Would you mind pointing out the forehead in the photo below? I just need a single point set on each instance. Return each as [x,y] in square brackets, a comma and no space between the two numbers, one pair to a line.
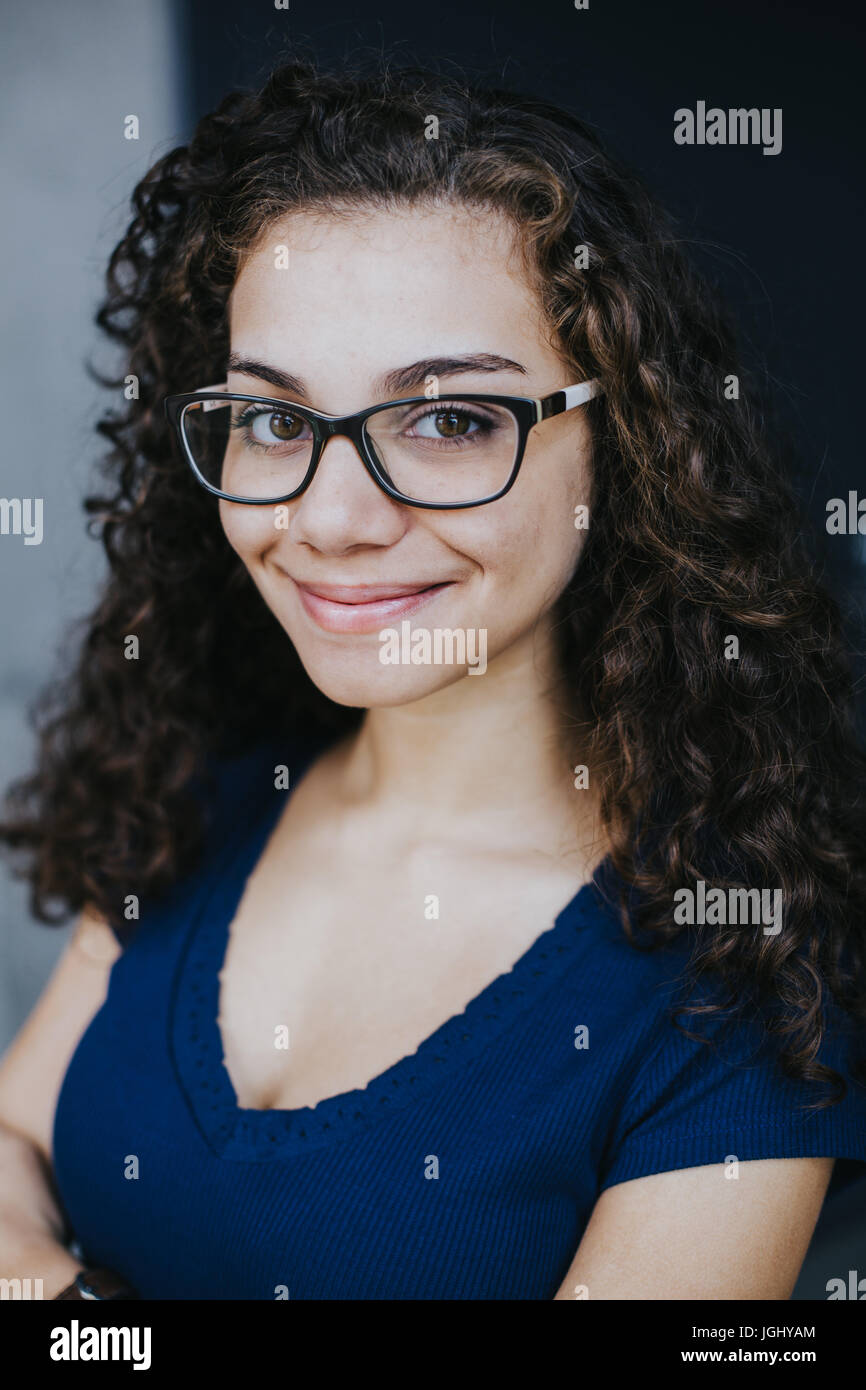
[407,272]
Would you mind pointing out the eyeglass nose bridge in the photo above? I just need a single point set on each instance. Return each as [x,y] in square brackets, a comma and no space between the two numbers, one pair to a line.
[351,427]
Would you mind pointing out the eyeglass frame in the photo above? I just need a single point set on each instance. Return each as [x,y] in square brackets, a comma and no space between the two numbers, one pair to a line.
[528,411]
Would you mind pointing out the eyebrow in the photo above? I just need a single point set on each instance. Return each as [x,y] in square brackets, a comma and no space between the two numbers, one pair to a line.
[391,383]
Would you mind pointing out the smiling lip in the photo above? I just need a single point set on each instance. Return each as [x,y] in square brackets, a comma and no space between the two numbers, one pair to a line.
[363,607]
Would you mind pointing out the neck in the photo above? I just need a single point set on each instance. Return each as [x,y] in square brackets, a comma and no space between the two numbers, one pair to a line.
[488,758]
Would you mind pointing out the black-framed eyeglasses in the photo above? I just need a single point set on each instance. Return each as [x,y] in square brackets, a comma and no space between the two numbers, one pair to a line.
[441,452]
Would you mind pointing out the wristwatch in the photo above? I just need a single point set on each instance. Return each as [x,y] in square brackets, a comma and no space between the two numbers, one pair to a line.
[100,1284]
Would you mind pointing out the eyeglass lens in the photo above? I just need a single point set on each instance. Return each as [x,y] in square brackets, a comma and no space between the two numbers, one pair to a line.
[430,451]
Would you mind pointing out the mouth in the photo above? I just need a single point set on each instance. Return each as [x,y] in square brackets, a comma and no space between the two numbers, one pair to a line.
[364,607]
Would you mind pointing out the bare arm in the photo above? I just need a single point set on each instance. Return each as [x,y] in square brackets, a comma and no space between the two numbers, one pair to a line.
[696,1233]
[31,1073]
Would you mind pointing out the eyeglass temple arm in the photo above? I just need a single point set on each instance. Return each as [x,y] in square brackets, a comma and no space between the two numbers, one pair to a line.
[568,398]
[202,390]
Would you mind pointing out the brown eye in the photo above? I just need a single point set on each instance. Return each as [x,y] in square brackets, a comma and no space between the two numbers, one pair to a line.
[452,422]
[285,427]
[260,428]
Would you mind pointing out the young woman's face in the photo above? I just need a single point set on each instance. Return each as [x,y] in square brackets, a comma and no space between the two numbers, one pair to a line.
[361,297]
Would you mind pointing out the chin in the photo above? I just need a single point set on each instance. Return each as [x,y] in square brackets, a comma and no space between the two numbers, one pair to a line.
[359,681]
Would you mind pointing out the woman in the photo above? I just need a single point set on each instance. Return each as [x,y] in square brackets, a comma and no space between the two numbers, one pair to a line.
[417,751]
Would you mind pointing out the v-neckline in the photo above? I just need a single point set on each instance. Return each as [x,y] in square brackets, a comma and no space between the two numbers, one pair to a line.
[237,1132]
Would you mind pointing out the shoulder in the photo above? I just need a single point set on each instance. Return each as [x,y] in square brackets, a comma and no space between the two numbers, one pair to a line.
[712,1088]
[688,1088]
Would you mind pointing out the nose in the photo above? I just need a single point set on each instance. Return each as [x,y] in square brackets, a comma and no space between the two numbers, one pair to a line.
[343,506]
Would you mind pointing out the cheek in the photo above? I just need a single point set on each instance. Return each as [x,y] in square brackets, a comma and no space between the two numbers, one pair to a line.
[557,514]
[537,544]
[536,561]
[249,531]
[524,563]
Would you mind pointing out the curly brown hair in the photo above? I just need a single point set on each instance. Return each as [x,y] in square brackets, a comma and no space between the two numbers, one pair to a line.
[743,771]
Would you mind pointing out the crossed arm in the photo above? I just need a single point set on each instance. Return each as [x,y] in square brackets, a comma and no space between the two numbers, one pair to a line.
[697,1233]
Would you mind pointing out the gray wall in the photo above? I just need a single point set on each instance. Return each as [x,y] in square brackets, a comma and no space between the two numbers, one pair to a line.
[68,77]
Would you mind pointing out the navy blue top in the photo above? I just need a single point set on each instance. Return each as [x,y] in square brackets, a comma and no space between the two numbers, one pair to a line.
[467,1170]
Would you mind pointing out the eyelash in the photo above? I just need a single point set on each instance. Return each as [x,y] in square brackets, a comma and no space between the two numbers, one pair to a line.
[252,413]
[461,407]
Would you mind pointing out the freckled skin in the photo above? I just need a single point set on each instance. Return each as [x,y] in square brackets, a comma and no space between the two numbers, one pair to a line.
[361,296]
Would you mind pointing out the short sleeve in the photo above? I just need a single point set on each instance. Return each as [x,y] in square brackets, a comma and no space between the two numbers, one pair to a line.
[696,1102]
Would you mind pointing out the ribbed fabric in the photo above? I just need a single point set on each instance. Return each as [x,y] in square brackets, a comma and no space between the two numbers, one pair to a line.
[338,1200]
